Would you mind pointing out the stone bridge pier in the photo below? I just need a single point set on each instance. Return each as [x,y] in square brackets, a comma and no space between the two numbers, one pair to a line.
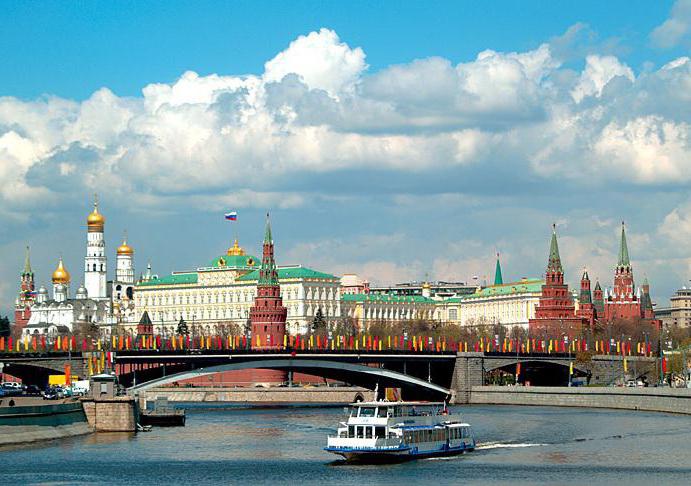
[471,370]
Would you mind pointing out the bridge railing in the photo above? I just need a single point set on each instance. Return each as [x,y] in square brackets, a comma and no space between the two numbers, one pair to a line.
[316,343]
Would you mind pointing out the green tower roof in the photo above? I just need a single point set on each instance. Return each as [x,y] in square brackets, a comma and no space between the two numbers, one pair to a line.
[554,263]
[623,249]
[268,276]
[498,280]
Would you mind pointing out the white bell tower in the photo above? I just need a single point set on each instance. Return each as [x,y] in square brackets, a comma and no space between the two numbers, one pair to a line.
[95,263]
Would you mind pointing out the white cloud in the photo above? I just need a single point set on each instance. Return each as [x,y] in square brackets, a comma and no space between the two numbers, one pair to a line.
[648,149]
[673,30]
[321,60]
[599,70]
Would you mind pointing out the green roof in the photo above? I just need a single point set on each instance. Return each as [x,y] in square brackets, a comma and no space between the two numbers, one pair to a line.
[520,287]
[174,279]
[245,262]
[554,263]
[291,272]
[498,280]
[402,299]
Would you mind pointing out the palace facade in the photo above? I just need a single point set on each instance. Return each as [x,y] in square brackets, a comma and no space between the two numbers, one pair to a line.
[222,293]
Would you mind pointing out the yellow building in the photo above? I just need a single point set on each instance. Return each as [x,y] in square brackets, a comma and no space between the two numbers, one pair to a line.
[222,292]
[509,304]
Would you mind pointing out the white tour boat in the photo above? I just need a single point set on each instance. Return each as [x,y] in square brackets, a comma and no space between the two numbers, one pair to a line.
[394,431]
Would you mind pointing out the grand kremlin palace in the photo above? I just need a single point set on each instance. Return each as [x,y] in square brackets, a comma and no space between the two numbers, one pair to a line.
[222,293]
[510,304]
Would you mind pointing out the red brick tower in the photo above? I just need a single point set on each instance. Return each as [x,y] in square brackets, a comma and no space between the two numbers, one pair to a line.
[646,301]
[623,303]
[145,328]
[598,301]
[555,313]
[27,295]
[586,309]
[268,315]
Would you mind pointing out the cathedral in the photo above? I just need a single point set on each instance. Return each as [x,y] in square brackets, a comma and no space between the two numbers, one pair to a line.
[96,303]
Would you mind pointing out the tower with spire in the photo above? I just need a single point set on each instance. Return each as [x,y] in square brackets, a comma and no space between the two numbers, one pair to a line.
[95,262]
[624,301]
[268,315]
[598,300]
[27,294]
[555,312]
[586,308]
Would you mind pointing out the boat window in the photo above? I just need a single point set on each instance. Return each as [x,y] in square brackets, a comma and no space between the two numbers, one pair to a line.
[368,432]
[351,431]
[360,432]
[367,412]
[379,433]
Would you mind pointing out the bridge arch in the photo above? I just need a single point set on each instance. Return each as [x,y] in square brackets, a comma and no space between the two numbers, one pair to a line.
[356,374]
[540,371]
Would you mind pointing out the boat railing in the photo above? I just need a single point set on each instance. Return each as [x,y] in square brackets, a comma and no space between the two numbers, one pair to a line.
[389,442]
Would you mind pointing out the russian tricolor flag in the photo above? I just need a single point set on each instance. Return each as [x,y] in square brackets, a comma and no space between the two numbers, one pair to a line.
[232,216]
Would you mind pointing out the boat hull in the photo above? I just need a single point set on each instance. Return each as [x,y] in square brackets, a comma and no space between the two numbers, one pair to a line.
[394,456]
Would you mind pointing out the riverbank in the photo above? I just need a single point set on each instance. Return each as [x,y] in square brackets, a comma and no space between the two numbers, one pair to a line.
[31,420]
[674,400]
[259,395]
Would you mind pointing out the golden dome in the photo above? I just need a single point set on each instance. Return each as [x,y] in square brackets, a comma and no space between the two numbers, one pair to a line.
[235,250]
[95,220]
[61,275]
[125,249]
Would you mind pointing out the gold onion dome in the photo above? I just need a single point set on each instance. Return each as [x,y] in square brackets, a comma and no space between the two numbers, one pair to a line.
[95,220]
[61,275]
[125,249]
[235,250]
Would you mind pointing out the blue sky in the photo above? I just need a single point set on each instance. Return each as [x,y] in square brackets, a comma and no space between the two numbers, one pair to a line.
[397,140]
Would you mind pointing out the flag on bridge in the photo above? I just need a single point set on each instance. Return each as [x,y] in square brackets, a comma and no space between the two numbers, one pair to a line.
[232,216]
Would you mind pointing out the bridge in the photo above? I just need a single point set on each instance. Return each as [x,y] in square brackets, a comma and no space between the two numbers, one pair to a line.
[423,374]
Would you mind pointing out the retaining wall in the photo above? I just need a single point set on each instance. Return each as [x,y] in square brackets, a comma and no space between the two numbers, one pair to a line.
[336,395]
[675,400]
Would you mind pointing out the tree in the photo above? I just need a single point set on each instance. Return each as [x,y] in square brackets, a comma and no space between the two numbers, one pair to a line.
[182,329]
[5,328]
[319,323]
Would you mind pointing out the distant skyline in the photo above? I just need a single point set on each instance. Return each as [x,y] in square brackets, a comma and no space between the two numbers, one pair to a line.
[396,141]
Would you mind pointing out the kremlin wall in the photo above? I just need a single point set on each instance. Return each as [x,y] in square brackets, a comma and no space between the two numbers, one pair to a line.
[238,293]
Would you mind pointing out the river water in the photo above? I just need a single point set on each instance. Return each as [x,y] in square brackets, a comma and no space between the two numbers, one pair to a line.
[518,445]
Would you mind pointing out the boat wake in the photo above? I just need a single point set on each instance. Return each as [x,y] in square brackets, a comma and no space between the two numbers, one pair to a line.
[499,445]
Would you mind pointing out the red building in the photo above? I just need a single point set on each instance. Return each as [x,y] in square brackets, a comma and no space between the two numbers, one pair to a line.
[268,315]
[145,328]
[555,313]
[27,295]
[625,302]
[586,308]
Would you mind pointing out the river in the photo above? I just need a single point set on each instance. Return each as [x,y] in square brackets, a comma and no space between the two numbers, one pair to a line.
[518,445]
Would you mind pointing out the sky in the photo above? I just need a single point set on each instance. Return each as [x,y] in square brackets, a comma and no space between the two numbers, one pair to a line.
[396,140]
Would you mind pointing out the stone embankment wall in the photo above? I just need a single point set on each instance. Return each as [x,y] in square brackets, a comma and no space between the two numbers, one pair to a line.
[47,421]
[118,414]
[335,395]
[675,400]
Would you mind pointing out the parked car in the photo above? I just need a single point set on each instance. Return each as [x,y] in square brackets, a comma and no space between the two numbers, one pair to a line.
[32,391]
[12,389]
